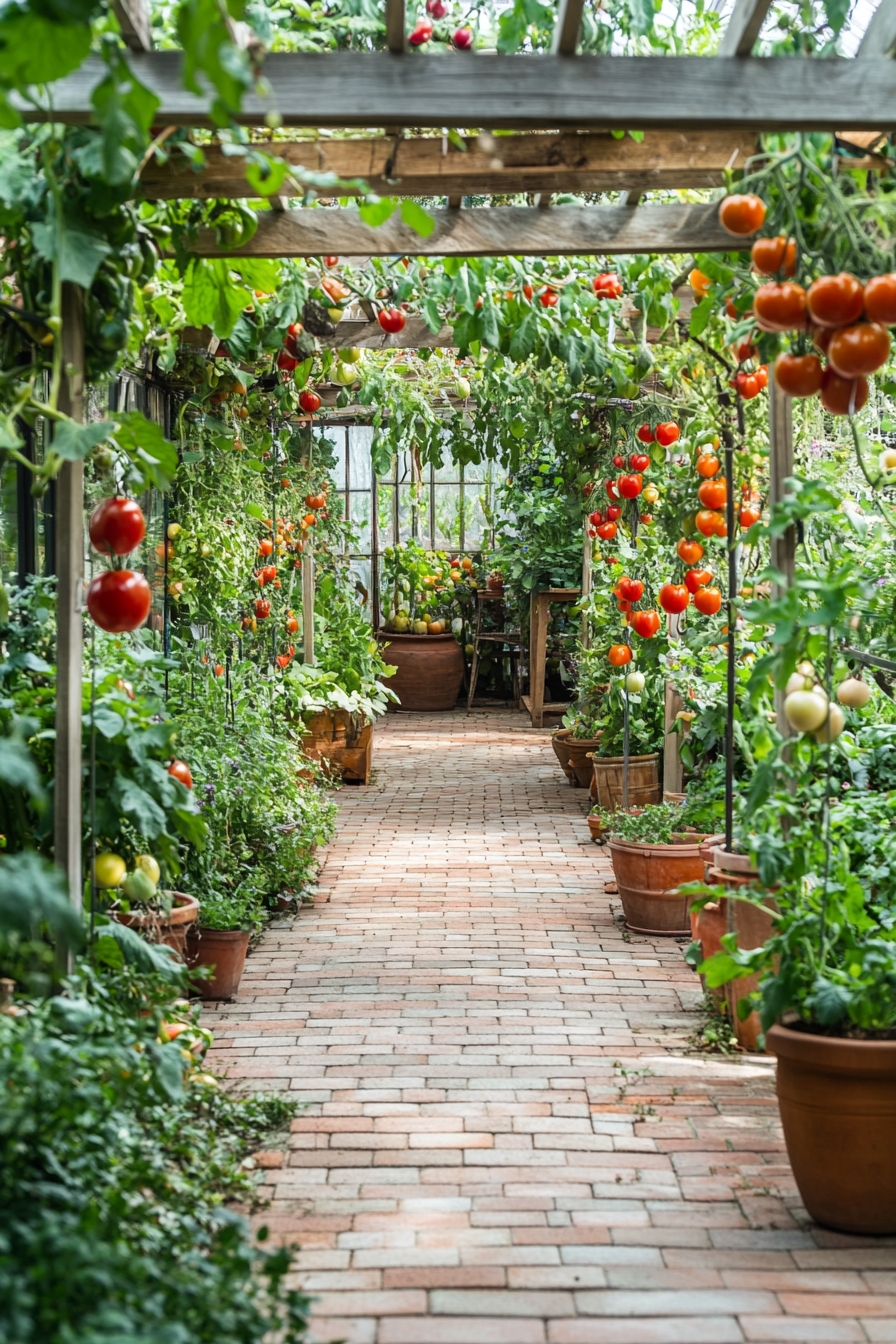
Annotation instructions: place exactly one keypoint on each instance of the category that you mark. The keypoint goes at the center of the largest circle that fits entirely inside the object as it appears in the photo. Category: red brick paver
(508, 1138)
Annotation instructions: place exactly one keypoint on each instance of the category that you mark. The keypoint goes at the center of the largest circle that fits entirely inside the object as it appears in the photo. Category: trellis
(578, 99)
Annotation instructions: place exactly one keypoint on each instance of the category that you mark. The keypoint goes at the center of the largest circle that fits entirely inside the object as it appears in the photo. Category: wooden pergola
(563, 107)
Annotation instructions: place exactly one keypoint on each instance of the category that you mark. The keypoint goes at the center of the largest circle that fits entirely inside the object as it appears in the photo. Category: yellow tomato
(149, 866)
(650, 494)
(109, 870)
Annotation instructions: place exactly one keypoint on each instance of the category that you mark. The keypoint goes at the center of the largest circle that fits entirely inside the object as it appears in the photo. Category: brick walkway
(508, 1139)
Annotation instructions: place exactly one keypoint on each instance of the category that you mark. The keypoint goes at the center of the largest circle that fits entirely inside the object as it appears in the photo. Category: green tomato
(350, 355)
(148, 865)
(138, 886)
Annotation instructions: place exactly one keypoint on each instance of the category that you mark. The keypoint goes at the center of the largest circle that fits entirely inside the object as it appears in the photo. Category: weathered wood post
(69, 523)
(780, 467)
(308, 600)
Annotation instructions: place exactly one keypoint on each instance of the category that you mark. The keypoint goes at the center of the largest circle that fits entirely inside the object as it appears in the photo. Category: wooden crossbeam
(740, 35)
(589, 162)
(879, 38)
(509, 231)
(548, 92)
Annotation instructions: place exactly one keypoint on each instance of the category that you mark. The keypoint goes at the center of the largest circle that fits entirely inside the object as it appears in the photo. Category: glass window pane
(360, 438)
(447, 522)
(476, 471)
(360, 520)
(360, 572)
(385, 522)
(476, 529)
(336, 436)
(390, 474)
(403, 467)
(448, 471)
(9, 528)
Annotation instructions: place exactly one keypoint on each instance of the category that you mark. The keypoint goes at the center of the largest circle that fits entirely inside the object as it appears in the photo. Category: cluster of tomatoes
(282, 543)
(846, 321)
(118, 599)
(630, 483)
(422, 32)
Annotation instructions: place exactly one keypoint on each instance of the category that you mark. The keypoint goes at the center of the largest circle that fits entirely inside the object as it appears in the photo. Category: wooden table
(539, 617)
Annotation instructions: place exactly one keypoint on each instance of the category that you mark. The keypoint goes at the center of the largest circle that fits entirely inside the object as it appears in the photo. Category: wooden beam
(879, 38)
(395, 22)
(547, 164)
(566, 34)
(747, 17)
(363, 89)
(135, 23)
(68, 782)
(566, 230)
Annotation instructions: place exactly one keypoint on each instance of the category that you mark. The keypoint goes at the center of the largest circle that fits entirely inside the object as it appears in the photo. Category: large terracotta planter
(430, 670)
(643, 781)
(156, 928)
(753, 926)
(343, 739)
(838, 1109)
(709, 925)
(580, 751)
(224, 950)
(648, 877)
(560, 744)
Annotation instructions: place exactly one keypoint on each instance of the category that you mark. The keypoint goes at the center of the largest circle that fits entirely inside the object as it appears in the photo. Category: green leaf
(255, 511)
(153, 458)
(377, 209)
(640, 16)
(457, 140)
(35, 50)
(700, 316)
(416, 218)
(73, 442)
(210, 296)
(79, 254)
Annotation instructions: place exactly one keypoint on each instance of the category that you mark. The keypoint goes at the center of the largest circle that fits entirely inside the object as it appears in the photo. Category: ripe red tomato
(746, 350)
(606, 531)
(645, 623)
(391, 320)
(639, 461)
(674, 598)
(421, 33)
(618, 460)
(528, 291)
(309, 401)
(859, 350)
(771, 255)
(262, 608)
(879, 297)
(748, 516)
(607, 285)
(780, 306)
(697, 578)
(667, 434)
(611, 490)
(689, 551)
(117, 526)
(269, 573)
(644, 434)
(798, 375)
(619, 655)
(646, 519)
(292, 625)
(630, 486)
(761, 376)
(119, 600)
(747, 385)
(707, 464)
(741, 215)
(463, 38)
(713, 494)
(708, 600)
(219, 669)
(613, 511)
(265, 546)
(548, 298)
(630, 590)
(335, 289)
(286, 361)
(180, 770)
(842, 396)
(707, 522)
(835, 300)
(316, 501)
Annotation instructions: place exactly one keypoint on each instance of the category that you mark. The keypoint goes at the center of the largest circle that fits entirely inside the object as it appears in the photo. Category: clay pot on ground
(158, 928)
(643, 781)
(595, 826)
(560, 744)
(430, 670)
(648, 877)
(838, 1109)
(579, 752)
(224, 950)
(753, 925)
(708, 926)
(343, 739)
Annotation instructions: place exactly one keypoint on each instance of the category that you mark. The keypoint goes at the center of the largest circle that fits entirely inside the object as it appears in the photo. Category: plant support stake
(730, 519)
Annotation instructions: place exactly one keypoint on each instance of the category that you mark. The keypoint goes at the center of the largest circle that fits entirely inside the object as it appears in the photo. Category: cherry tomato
(611, 490)
(548, 298)
(606, 531)
(391, 320)
(842, 396)
(316, 501)
(667, 434)
(707, 464)
(421, 33)
(265, 546)
(528, 291)
(262, 609)
(629, 486)
(335, 289)
(292, 625)
(780, 306)
(859, 350)
(331, 261)
(117, 526)
(618, 460)
(309, 401)
(119, 600)
(798, 375)
(639, 461)
(747, 385)
(746, 350)
(706, 522)
(646, 519)
(644, 434)
(630, 590)
(771, 255)
(286, 361)
(761, 376)
(645, 623)
(835, 300)
(180, 770)
(748, 516)
(697, 578)
(741, 215)
(619, 655)
(596, 518)
(674, 598)
(879, 298)
(613, 511)
(713, 494)
(607, 285)
(689, 551)
(708, 600)
(463, 38)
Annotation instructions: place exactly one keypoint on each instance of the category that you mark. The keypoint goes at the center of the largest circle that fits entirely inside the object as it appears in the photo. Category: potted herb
(220, 941)
(654, 852)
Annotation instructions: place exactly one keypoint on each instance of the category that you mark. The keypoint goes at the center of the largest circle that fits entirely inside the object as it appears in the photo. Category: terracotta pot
(579, 751)
(168, 929)
(740, 865)
(643, 781)
(224, 950)
(430, 669)
(595, 827)
(495, 586)
(648, 877)
(342, 738)
(709, 924)
(753, 926)
(559, 742)
(706, 849)
(838, 1108)
(673, 797)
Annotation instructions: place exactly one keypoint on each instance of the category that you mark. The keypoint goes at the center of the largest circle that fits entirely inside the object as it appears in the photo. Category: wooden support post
(538, 636)
(587, 548)
(69, 520)
(780, 466)
(308, 601)
(672, 768)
